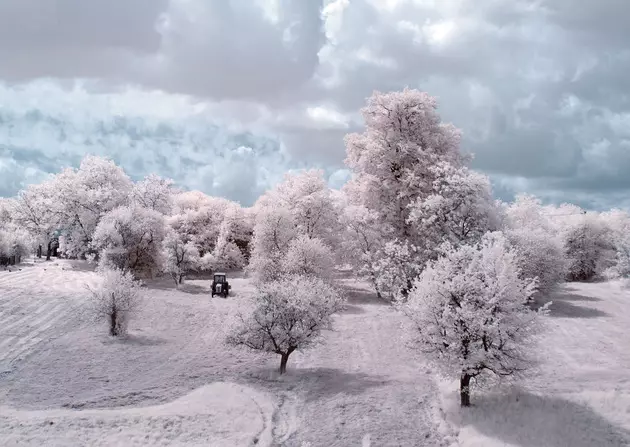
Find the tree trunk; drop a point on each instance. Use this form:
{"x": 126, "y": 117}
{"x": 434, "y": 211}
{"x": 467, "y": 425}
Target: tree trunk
{"x": 39, "y": 251}
{"x": 464, "y": 389}
{"x": 283, "y": 362}
{"x": 49, "y": 251}
{"x": 180, "y": 279}
{"x": 113, "y": 330}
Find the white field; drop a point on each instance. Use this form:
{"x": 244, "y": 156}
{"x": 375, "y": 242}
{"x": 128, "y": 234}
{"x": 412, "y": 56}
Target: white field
{"x": 64, "y": 382}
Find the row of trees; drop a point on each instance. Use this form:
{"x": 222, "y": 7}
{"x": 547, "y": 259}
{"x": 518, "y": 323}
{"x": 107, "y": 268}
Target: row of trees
{"x": 97, "y": 212}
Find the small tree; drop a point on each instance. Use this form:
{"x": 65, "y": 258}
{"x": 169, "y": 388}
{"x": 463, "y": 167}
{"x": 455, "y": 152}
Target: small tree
{"x": 290, "y": 314}
{"x": 115, "y": 300}
{"x": 468, "y": 307}
{"x": 179, "y": 258}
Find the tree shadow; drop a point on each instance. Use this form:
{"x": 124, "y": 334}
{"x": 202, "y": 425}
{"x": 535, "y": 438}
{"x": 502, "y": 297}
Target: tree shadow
{"x": 169, "y": 284}
{"x": 80, "y": 266}
{"x": 562, "y": 307}
{"x": 317, "y": 383}
{"x": 194, "y": 289}
{"x": 352, "y": 309}
{"x": 328, "y": 382}
{"x": 567, "y": 296}
{"x": 528, "y": 420}
{"x": 138, "y": 340}
{"x": 356, "y": 296}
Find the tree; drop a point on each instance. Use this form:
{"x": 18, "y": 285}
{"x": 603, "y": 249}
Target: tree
{"x": 460, "y": 209}
{"x": 290, "y": 314}
{"x": 307, "y": 198}
{"x": 274, "y": 229}
{"x": 469, "y": 312}
{"x": 154, "y": 193}
{"x": 115, "y": 300}
{"x": 390, "y": 161}
{"x": 226, "y": 254}
{"x": 360, "y": 241}
{"x": 83, "y": 196}
{"x": 393, "y": 166}
{"x": 539, "y": 245}
{"x": 588, "y": 248}
{"x": 309, "y": 256}
{"x": 179, "y": 258}
{"x": 34, "y": 210}
{"x": 130, "y": 238}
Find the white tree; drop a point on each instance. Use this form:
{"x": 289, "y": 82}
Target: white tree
{"x": 361, "y": 243}
{"x": 469, "y": 312}
{"x": 226, "y": 254}
{"x": 390, "y": 161}
{"x": 309, "y": 256}
{"x": 539, "y": 245}
{"x": 307, "y": 197}
{"x": 588, "y": 247}
{"x": 83, "y": 196}
{"x": 290, "y": 315}
{"x": 274, "y": 230}
{"x": 154, "y": 193}
{"x": 130, "y": 238}
{"x": 395, "y": 165}
{"x": 14, "y": 242}
{"x": 34, "y": 210}
{"x": 396, "y": 268}
{"x": 459, "y": 210}
{"x": 115, "y": 300}
{"x": 215, "y": 225}
{"x": 180, "y": 258}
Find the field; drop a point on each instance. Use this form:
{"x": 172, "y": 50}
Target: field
{"x": 64, "y": 382}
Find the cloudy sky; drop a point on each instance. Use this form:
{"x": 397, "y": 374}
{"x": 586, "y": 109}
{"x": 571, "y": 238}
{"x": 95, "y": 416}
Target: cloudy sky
{"x": 227, "y": 95}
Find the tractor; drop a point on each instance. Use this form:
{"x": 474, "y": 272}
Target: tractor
{"x": 220, "y": 285}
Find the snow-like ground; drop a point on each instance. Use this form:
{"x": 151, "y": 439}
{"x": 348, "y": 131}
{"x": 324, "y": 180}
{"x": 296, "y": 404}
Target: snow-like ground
{"x": 63, "y": 381}
{"x": 580, "y": 395}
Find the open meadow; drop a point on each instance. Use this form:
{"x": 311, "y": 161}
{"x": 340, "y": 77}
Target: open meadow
{"x": 173, "y": 381}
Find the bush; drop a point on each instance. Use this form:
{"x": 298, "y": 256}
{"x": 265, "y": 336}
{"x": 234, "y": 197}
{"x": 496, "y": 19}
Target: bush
{"x": 115, "y": 300}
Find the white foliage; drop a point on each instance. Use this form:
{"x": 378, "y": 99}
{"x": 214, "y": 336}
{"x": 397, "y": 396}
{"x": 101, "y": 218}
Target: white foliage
{"x": 309, "y": 256}
{"x": 179, "y": 258}
{"x": 391, "y": 160}
{"x": 468, "y": 308}
{"x": 589, "y": 248}
{"x": 539, "y": 245}
{"x": 459, "y": 209}
{"x": 34, "y": 211}
{"x": 274, "y": 230}
{"x": 154, "y": 193}
{"x": 290, "y": 314}
{"x": 360, "y": 239}
{"x": 83, "y": 196}
{"x": 395, "y": 269}
{"x": 14, "y": 241}
{"x": 115, "y": 300}
{"x": 307, "y": 197}
{"x": 130, "y": 238}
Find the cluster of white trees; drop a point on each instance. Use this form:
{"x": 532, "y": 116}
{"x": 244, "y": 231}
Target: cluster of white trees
{"x": 414, "y": 220}
{"x": 97, "y": 212}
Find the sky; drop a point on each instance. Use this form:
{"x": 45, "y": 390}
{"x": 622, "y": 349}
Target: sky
{"x": 225, "y": 96}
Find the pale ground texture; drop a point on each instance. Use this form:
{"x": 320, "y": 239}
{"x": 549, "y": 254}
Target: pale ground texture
{"x": 64, "y": 382}
{"x": 580, "y": 395}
